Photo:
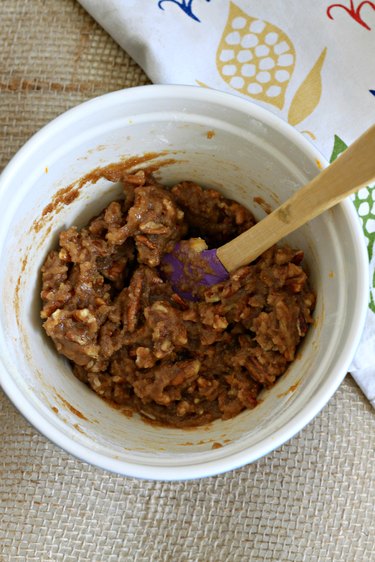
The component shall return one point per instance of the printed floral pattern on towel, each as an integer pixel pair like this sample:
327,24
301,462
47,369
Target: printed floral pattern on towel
308,94
257,59
364,202
185,5
353,11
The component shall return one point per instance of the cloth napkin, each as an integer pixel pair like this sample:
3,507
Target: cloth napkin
311,63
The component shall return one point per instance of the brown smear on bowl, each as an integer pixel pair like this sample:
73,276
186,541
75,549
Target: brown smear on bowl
16,299
71,408
78,428
63,197
290,390
262,203
201,442
210,134
46,235
112,172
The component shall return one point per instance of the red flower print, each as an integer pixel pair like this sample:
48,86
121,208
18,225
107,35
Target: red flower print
354,12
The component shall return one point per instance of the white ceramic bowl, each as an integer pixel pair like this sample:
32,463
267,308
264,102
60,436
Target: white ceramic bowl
218,140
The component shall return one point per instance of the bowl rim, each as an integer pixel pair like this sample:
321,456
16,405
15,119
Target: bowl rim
323,394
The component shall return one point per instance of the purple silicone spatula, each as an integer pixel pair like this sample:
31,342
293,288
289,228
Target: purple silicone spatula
190,264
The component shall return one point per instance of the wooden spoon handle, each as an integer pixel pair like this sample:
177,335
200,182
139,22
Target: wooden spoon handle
354,169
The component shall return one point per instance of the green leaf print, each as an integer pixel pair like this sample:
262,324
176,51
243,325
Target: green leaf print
364,202
338,147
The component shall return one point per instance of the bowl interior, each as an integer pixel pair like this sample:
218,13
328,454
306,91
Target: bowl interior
228,145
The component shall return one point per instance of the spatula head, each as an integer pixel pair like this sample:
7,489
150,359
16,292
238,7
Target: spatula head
190,268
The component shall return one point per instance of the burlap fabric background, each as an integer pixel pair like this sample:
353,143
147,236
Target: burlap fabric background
311,500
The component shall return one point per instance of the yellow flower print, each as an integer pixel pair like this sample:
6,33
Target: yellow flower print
255,57
308,94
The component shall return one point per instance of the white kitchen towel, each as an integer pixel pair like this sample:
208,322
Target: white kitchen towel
311,63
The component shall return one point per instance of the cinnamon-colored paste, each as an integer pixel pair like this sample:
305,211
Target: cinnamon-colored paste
135,342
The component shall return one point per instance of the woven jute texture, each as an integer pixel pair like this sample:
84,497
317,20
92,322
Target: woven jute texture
311,500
